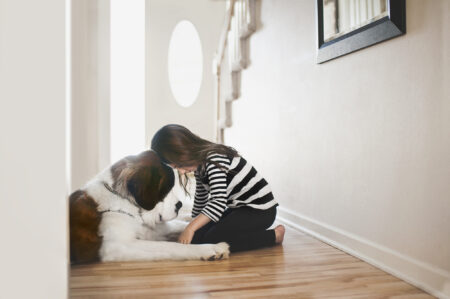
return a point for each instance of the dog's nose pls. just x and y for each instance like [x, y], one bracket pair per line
[178, 206]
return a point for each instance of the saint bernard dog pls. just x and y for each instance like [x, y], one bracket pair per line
[122, 214]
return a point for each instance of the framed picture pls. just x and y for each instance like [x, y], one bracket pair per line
[345, 26]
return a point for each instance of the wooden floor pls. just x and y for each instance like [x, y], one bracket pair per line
[302, 268]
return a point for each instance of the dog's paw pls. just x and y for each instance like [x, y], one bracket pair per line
[220, 251]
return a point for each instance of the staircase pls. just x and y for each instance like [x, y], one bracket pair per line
[231, 58]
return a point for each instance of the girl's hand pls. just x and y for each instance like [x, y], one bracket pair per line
[186, 236]
[188, 233]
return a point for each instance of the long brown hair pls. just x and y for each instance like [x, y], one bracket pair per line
[177, 145]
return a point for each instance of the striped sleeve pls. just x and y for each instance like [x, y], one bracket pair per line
[200, 198]
[217, 178]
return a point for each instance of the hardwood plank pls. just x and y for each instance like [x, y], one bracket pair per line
[302, 267]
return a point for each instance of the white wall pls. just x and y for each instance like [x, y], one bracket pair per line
[161, 107]
[90, 116]
[33, 200]
[356, 148]
[90, 108]
[127, 78]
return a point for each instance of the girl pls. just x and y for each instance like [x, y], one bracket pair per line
[232, 202]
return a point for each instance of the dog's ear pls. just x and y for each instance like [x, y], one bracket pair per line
[144, 186]
[167, 181]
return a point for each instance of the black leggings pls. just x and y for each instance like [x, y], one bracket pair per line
[242, 228]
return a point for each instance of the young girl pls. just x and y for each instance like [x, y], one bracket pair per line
[232, 203]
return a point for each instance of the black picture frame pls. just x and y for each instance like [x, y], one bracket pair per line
[390, 26]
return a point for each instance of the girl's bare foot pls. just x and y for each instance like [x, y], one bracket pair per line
[279, 234]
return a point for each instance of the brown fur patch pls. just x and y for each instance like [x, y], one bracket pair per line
[84, 222]
[144, 177]
[149, 180]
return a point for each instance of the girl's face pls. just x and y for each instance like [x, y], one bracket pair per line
[184, 169]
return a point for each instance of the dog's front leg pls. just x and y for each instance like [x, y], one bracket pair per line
[139, 250]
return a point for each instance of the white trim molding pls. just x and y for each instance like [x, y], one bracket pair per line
[427, 277]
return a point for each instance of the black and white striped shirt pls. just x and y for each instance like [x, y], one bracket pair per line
[237, 185]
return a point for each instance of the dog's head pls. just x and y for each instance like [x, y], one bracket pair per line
[152, 184]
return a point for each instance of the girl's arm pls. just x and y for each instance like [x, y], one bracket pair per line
[208, 208]
[200, 200]
[217, 177]
[201, 196]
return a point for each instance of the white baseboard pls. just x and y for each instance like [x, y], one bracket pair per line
[429, 278]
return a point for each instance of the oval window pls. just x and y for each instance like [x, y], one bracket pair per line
[185, 63]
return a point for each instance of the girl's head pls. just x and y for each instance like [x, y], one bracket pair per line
[182, 149]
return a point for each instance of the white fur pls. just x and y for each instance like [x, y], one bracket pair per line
[146, 236]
